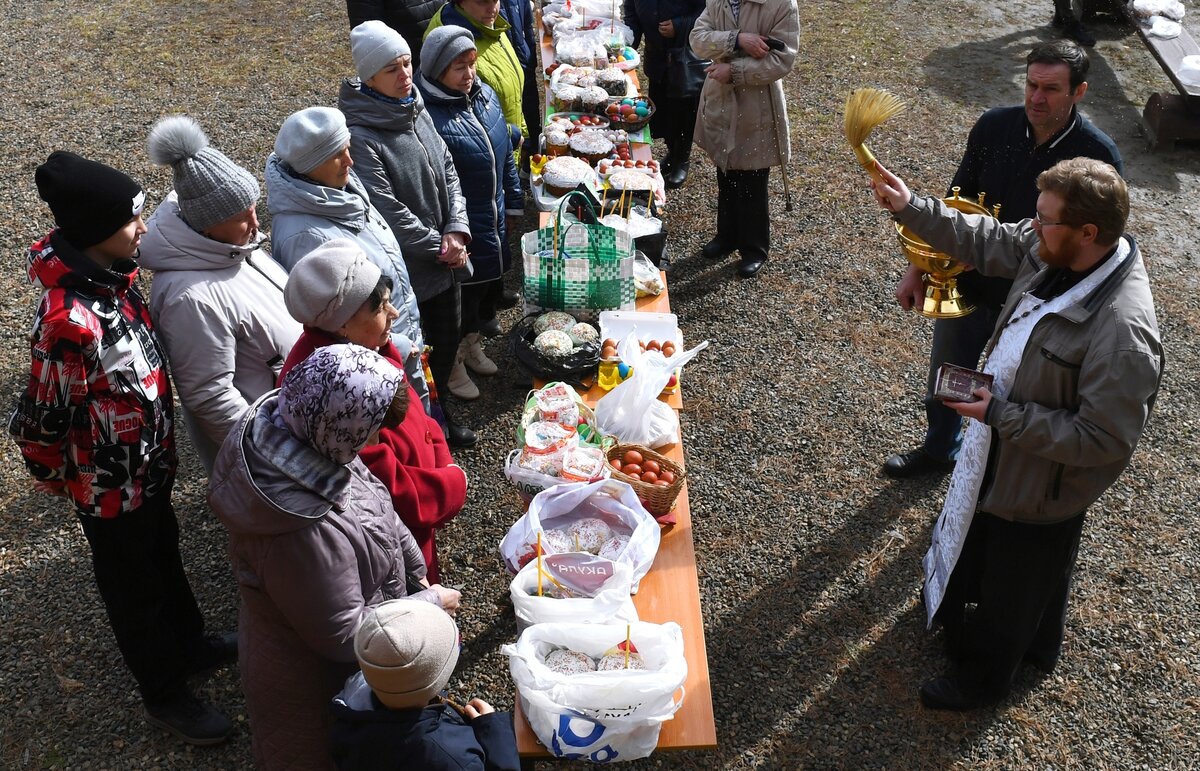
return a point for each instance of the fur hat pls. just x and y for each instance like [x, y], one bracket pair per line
[442, 46]
[90, 201]
[211, 188]
[374, 45]
[311, 136]
[329, 284]
[407, 650]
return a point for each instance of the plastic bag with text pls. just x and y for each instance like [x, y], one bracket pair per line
[576, 587]
[602, 717]
[555, 510]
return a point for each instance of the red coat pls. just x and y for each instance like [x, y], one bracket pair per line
[413, 460]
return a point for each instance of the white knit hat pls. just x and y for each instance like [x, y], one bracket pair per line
[329, 284]
[311, 136]
[211, 188]
[374, 45]
[407, 650]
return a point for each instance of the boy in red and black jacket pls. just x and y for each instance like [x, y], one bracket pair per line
[95, 425]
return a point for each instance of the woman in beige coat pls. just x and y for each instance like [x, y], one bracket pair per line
[742, 122]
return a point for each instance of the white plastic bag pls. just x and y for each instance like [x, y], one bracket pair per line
[599, 716]
[609, 583]
[610, 500]
[632, 411]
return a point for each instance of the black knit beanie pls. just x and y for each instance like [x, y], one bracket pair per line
[90, 201]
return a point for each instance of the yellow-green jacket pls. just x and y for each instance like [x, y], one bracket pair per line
[498, 65]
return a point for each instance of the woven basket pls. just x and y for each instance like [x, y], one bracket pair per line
[581, 363]
[658, 499]
[635, 125]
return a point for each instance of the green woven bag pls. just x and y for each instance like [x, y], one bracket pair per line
[579, 268]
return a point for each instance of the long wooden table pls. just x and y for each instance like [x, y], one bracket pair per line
[669, 592]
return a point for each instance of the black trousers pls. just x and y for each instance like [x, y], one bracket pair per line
[479, 303]
[1020, 576]
[150, 605]
[441, 320]
[674, 121]
[743, 214]
[531, 110]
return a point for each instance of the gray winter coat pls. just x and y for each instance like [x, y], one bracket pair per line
[409, 174]
[219, 310]
[1087, 380]
[306, 215]
[313, 546]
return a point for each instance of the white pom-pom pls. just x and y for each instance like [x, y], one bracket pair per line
[175, 138]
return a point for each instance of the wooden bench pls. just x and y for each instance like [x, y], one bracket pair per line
[669, 592]
[1168, 118]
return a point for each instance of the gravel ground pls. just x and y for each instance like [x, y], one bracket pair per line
[809, 559]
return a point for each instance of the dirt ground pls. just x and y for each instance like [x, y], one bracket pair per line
[809, 559]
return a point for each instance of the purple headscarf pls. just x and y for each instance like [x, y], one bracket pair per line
[336, 398]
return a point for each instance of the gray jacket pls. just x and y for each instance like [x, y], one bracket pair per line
[219, 310]
[306, 215]
[313, 546]
[409, 174]
[1087, 380]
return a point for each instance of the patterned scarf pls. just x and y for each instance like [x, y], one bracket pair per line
[336, 398]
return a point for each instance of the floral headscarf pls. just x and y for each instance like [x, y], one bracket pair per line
[337, 397]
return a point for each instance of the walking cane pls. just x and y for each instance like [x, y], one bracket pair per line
[787, 193]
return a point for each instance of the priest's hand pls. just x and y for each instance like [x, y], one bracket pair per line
[976, 409]
[910, 292]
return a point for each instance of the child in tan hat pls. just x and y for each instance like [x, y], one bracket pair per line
[393, 713]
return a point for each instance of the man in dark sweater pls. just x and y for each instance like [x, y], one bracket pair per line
[1006, 151]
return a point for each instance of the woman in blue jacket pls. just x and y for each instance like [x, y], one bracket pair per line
[467, 114]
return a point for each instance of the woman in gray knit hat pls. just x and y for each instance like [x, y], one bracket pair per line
[218, 296]
[412, 181]
[315, 196]
[467, 114]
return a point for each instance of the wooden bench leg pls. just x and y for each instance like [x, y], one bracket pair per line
[1166, 120]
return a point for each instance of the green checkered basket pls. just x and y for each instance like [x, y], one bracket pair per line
[579, 268]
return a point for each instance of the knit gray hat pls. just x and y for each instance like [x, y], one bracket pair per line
[374, 45]
[407, 650]
[443, 46]
[329, 284]
[211, 188]
[310, 137]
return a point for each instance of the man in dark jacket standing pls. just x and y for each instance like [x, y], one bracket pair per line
[408, 17]
[95, 425]
[1006, 151]
[665, 26]
[1076, 362]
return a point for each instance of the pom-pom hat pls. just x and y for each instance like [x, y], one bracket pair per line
[211, 188]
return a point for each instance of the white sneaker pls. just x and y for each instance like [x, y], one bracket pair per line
[473, 356]
[461, 384]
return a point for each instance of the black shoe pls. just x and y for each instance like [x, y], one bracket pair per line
[508, 299]
[947, 692]
[666, 164]
[460, 436]
[715, 250]
[1074, 30]
[217, 650]
[489, 328]
[915, 463]
[674, 179]
[749, 267]
[191, 720]
[1042, 662]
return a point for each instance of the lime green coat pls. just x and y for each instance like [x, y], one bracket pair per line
[498, 65]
